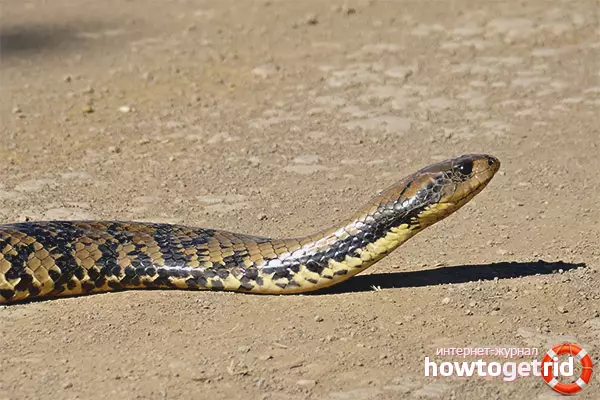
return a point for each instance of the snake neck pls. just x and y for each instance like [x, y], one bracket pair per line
[337, 253]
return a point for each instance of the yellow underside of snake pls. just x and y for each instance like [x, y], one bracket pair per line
[63, 258]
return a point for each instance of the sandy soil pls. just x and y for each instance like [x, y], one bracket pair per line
[277, 118]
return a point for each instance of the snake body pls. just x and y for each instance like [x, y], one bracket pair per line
[62, 258]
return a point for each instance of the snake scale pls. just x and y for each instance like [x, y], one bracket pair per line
[63, 258]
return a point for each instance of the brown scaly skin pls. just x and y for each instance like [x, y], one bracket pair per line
[61, 258]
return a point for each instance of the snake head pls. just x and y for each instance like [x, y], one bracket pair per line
[430, 194]
[444, 187]
[465, 176]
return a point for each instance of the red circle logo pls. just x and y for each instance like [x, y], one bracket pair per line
[586, 368]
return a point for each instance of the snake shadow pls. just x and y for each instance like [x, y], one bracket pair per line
[448, 275]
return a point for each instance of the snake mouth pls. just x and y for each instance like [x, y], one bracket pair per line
[485, 175]
[493, 165]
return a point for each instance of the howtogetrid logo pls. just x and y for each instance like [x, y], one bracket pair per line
[550, 369]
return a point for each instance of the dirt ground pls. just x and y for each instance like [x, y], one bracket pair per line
[278, 118]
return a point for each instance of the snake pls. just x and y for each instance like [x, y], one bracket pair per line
[49, 259]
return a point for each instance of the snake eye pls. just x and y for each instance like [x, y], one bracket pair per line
[466, 168]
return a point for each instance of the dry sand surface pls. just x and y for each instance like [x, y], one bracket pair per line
[278, 118]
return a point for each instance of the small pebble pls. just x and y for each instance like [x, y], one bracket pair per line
[307, 383]
[446, 300]
[125, 109]
[262, 217]
[307, 159]
[311, 19]
[318, 318]
[266, 70]
[87, 109]
[254, 162]
[562, 310]
[244, 349]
